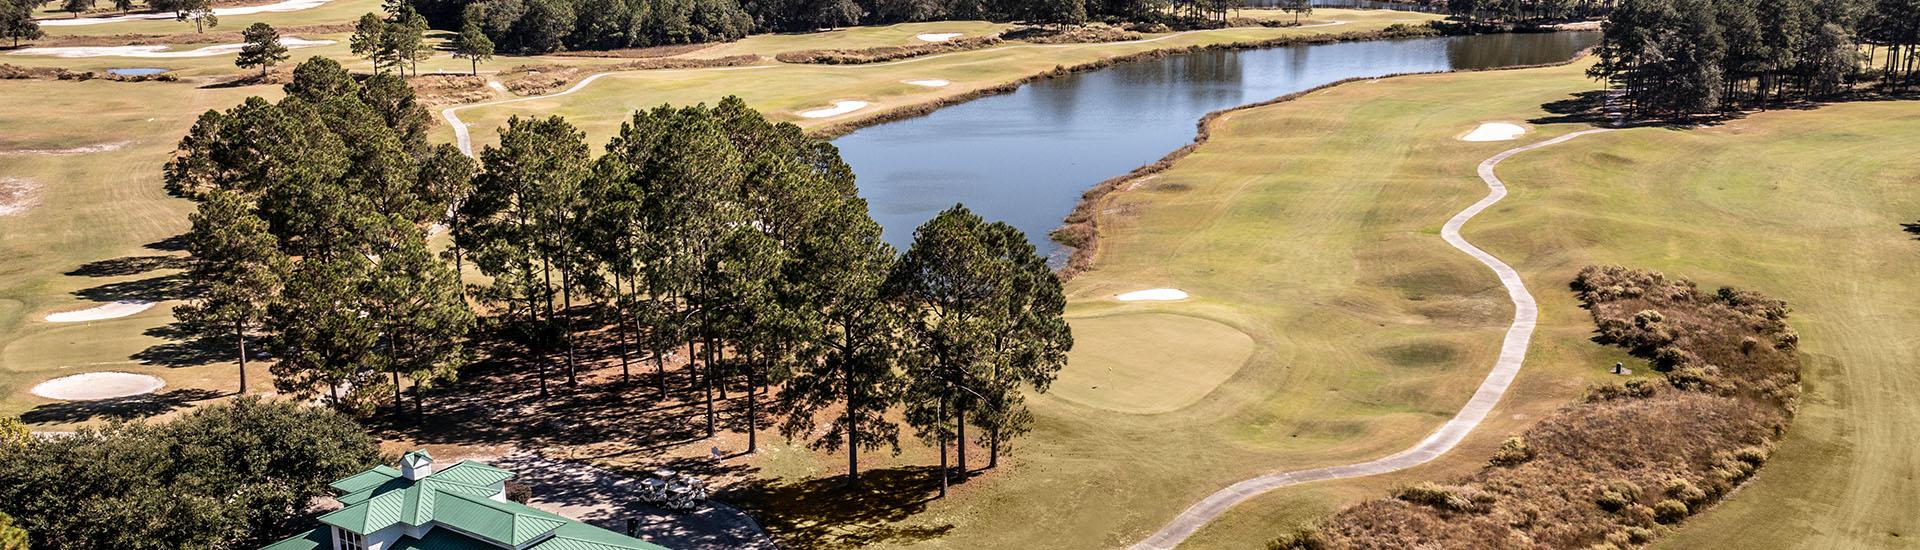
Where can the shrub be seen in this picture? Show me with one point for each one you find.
(1305, 538)
(1617, 495)
(1685, 491)
(1513, 451)
(518, 492)
(1454, 499)
(1638, 388)
(1669, 511)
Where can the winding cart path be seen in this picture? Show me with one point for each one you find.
(1513, 350)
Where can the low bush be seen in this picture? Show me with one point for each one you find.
(886, 53)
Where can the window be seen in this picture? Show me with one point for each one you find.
(349, 540)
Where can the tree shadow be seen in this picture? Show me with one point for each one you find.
(185, 347)
(1590, 108)
(176, 243)
(120, 408)
(1911, 229)
(129, 265)
(828, 513)
(152, 289)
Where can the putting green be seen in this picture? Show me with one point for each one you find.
(1149, 363)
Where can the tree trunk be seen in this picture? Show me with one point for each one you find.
(476, 65)
(944, 471)
(240, 336)
(853, 427)
(620, 319)
(960, 438)
(753, 410)
(566, 293)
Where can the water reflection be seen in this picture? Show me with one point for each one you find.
(1025, 157)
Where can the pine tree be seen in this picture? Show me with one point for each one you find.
(243, 268)
(262, 49)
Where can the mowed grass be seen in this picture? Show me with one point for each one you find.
(1317, 220)
(782, 90)
(1147, 363)
(90, 236)
(334, 11)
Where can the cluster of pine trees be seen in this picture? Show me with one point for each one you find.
(740, 248)
(1526, 12)
(311, 231)
(708, 240)
(1676, 57)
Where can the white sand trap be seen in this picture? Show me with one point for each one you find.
(496, 85)
(158, 51)
(839, 108)
(938, 36)
(98, 385)
(1153, 295)
(16, 194)
(1494, 131)
(288, 5)
(98, 148)
(110, 311)
(929, 83)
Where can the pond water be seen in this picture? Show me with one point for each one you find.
(1025, 157)
(138, 71)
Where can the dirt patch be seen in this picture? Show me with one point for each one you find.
(527, 80)
(94, 386)
(437, 90)
(1084, 34)
(649, 52)
(16, 195)
(886, 53)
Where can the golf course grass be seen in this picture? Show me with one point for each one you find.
(1329, 325)
(1329, 205)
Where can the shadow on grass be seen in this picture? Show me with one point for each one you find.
(119, 408)
(186, 348)
(129, 265)
(828, 513)
(1912, 229)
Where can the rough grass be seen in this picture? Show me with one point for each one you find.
(1631, 457)
(887, 53)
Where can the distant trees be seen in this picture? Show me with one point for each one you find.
(1674, 57)
(200, 12)
(1297, 8)
(75, 7)
(473, 45)
(263, 48)
(311, 229)
(1476, 13)
(237, 474)
(16, 21)
(397, 41)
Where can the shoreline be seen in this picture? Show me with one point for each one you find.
(1084, 219)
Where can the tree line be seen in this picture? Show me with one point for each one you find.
(707, 240)
(1677, 57)
(1477, 13)
(544, 26)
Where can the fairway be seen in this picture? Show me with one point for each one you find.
(1147, 363)
(1799, 204)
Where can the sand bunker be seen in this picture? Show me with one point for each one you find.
(938, 36)
(288, 5)
(496, 85)
(16, 194)
(110, 311)
(98, 385)
(1153, 295)
(929, 83)
(98, 148)
(158, 51)
(1494, 131)
(839, 108)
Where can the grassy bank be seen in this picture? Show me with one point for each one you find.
(1312, 225)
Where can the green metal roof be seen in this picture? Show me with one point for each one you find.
(315, 539)
(458, 497)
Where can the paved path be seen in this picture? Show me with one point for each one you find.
(607, 499)
(463, 139)
(1512, 351)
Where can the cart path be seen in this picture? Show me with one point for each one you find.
(462, 136)
(1513, 350)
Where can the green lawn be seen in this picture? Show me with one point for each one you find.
(1316, 219)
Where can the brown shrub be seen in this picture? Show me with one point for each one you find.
(529, 80)
(886, 53)
(1606, 471)
(1083, 34)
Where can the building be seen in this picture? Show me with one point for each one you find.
(461, 507)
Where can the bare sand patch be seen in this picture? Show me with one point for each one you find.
(839, 108)
(1494, 131)
(288, 5)
(16, 194)
(96, 148)
(1153, 295)
(931, 83)
(98, 385)
(109, 311)
(158, 51)
(938, 36)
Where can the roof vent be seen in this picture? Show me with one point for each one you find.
(416, 465)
